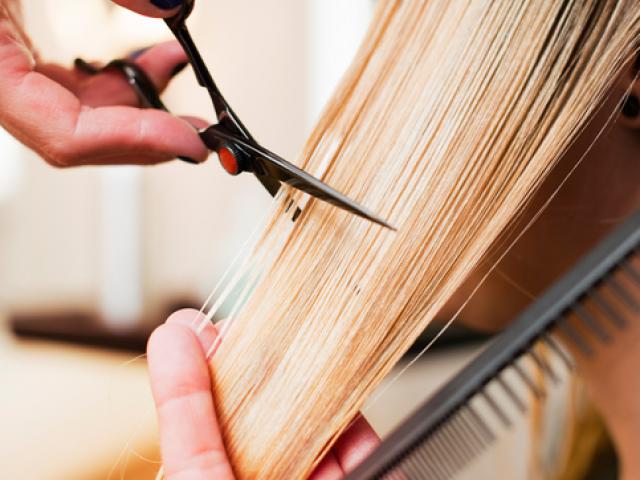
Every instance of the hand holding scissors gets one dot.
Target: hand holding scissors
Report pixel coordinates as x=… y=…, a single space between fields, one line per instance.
x=237 y=150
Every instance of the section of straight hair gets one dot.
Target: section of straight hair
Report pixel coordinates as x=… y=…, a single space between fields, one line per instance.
x=450 y=118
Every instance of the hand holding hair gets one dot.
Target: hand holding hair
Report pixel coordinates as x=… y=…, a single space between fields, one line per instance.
x=190 y=438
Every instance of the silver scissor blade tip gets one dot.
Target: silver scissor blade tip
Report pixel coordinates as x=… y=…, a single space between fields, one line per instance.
x=383 y=223
x=350 y=206
x=367 y=215
x=279 y=170
x=391 y=227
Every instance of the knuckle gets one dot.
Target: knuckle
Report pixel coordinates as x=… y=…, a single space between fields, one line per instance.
x=59 y=155
x=211 y=462
x=181 y=395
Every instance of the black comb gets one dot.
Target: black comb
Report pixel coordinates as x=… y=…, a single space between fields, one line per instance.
x=586 y=307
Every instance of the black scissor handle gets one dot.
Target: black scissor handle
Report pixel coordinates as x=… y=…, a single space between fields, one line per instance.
x=136 y=77
x=236 y=148
x=224 y=112
x=179 y=18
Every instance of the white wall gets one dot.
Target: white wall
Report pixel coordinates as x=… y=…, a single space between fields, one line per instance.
x=125 y=240
x=336 y=28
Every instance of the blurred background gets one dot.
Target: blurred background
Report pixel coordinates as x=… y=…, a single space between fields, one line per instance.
x=125 y=244
x=92 y=259
x=105 y=253
x=101 y=255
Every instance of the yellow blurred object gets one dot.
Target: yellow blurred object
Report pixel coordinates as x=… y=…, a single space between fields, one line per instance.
x=74 y=413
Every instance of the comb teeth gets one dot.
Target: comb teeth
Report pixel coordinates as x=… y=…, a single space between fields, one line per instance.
x=632 y=271
x=571 y=333
x=611 y=303
x=446 y=451
x=623 y=294
x=560 y=352
x=588 y=308
x=591 y=322
x=536 y=390
x=611 y=313
x=513 y=396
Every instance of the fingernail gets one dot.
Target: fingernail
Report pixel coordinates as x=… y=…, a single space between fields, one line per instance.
x=137 y=53
x=178 y=68
x=166 y=4
x=188 y=160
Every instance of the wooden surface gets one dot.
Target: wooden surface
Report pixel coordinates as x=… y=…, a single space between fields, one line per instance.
x=69 y=412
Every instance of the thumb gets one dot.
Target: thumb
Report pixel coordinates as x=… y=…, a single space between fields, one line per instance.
x=190 y=439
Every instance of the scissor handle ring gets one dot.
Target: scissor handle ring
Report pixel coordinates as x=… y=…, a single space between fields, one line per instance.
x=142 y=85
x=179 y=18
x=144 y=88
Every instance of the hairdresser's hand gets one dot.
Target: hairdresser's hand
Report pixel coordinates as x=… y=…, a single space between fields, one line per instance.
x=189 y=435
x=72 y=118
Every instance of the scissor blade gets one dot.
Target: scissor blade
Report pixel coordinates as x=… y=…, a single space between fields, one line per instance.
x=269 y=183
x=277 y=167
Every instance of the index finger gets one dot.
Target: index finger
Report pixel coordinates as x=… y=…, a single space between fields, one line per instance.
x=355 y=444
x=50 y=119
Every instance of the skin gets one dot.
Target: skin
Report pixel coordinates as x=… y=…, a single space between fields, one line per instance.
x=585 y=209
x=72 y=118
x=190 y=440
x=600 y=193
x=95 y=120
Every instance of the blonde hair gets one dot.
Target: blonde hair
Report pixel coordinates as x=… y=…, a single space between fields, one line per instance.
x=452 y=114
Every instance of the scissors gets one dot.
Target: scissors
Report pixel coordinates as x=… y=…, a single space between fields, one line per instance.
x=237 y=150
